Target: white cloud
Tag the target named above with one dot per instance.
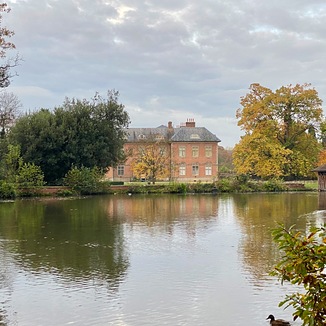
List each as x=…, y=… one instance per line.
x=178, y=58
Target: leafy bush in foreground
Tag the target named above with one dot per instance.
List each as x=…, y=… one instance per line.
x=304, y=263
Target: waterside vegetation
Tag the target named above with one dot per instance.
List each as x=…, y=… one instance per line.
x=86, y=181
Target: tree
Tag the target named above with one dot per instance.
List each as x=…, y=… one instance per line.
x=85, y=181
x=322, y=157
x=11, y=163
x=30, y=176
x=281, y=130
x=80, y=133
x=6, y=45
x=9, y=111
x=151, y=161
x=303, y=263
x=225, y=161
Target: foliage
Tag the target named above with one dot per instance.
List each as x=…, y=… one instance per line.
x=274, y=185
x=303, y=263
x=281, y=130
x=322, y=157
x=11, y=163
x=29, y=176
x=225, y=162
x=239, y=183
x=151, y=161
x=176, y=187
x=7, y=190
x=29, y=179
x=81, y=132
x=84, y=180
x=6, y=45
x=224, y=185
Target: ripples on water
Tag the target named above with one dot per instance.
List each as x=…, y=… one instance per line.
x=197, y=260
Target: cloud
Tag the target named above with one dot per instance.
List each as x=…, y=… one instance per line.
x=186, y=57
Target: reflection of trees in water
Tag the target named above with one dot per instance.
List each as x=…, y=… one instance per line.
x=70, y=238
x=258, y=214
x=80, y=240
x=7, y=272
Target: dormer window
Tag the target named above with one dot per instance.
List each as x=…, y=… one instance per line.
x=159, y=137
x=194, y=136
x=141, y=136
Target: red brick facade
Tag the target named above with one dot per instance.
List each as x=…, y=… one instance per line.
x=192, y=152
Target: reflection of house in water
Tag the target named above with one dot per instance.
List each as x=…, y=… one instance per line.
x=165, y=211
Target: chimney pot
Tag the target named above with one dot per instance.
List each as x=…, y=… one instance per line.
x=191, y=123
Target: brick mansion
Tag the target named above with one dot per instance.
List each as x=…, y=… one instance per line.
x=192, y=152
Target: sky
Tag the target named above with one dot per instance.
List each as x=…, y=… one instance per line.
x=170, y=60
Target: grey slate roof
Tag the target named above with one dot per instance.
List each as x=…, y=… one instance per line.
x=135, y=134
x=182, y=134
x=193, y=134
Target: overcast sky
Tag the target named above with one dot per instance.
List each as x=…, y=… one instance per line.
x=170, y=59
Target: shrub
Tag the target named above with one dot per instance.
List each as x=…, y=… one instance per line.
x=225, y=185
x=274, y=185
x=29, y=179
x=7, y=190
x=85, y=181
x=303, y=263
x=179, y=188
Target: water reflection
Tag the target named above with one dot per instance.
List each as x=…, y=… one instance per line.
x=73, y=238
x=258, y=214
x=144, y=260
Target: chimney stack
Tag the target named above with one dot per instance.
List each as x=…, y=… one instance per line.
x=191, y=123
x=170, y=125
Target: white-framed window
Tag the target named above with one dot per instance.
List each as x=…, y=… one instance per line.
x=182, y=169
x=208, y=151
x=195, y=169
x=121, y=170
x=208, y=169
x=163, y=151
x=182, y=151
x=195, y=151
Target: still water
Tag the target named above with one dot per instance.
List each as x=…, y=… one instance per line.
x=146, y=260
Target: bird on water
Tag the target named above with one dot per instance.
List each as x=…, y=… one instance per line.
x=277, y=322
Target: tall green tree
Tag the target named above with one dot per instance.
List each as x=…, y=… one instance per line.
x=85, y=133
x=281, y=131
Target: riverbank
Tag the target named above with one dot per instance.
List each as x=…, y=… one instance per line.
x=234, y=185
x=223, y=186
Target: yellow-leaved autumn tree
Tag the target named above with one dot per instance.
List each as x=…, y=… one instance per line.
x=280, y=129
x=151, y=161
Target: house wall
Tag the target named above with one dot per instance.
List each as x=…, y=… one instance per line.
x=202, y=161
x=188, y=166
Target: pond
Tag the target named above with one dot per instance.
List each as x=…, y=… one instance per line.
x=146, y=259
